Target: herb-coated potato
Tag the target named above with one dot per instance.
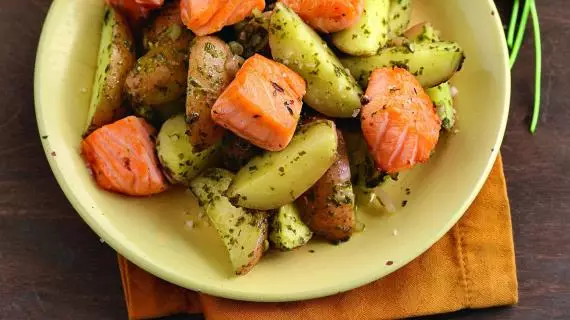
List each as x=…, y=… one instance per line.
x=166, y=28
x=288, y=231
x=116, y=58
x=330, y=89
x=400, y=16
x=328, y=207
x=207, y=78
x=243, y=232
x=369, y=34
x=159, y=77
x=431, y=62
x=443, y=101
x=179, y=159
x=275, y=179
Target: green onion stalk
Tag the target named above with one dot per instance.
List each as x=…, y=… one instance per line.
x=515, y=36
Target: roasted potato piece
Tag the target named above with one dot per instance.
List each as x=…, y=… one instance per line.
x=369, y=34
x=400, y=16
x=159, y=77
x=167, y=28
x=328, y=207
x=116, y=58
x=330, y=89
x=207, y=78
x=443, y=101
x=275, y=179
x=288, y=231
x=243, y=232
x=236, y=151
x=179, y=159
x=431, y=62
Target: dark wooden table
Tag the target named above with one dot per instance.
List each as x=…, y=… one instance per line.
x=52, y=266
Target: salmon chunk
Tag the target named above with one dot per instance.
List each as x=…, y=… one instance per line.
x=122, y=158
x=399, y=122
x=262, y=104
x=136, y=9
x=327, y=15
x=206, y=17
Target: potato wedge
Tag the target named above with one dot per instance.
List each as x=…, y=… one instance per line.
x=443, y=101
x=275, y=179
x=243, y=232
x=288, y=231
x=432, y=63
x=207, y=78
x=179, y=159
x=330, y=89
x=116, y=58
x=328, y=207
x=400, y=16
x=369, y=34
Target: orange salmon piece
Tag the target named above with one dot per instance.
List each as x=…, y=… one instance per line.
x=205, y=17
x=136, y=9
x=327, y=15
x=122, y=158
x=262, y=104
x=399, y=122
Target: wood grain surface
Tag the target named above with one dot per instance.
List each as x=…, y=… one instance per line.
x=52, y=266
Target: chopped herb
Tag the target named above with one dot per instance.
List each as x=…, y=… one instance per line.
x=277, y=87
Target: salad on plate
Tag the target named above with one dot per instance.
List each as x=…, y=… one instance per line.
x=279, y=117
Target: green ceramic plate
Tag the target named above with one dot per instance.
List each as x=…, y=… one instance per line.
x=151, y=232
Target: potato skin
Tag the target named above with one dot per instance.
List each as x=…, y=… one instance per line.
x=166, y=28
x=207, y=78
x=236, y=151
x=107, y=97
x=328, y=207
x=159, y=77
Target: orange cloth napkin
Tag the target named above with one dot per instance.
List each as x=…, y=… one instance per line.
x=481, y=273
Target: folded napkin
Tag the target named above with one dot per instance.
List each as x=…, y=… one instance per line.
x=472, y=266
